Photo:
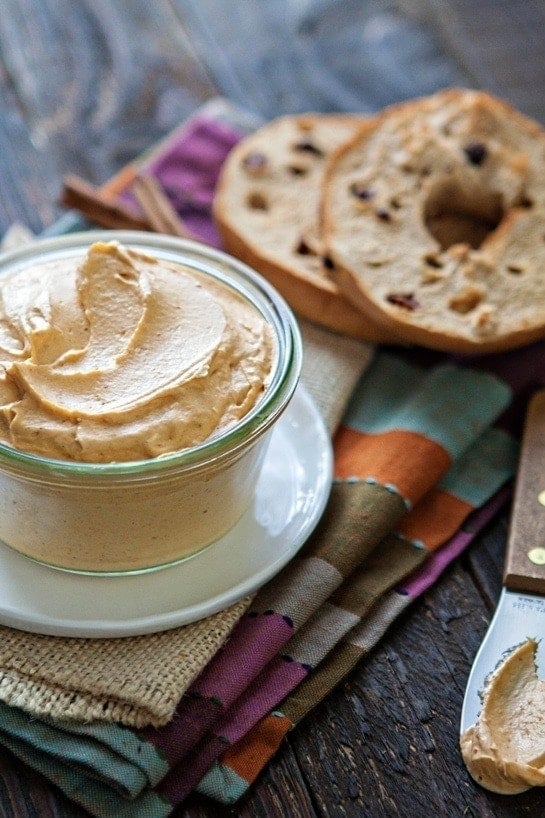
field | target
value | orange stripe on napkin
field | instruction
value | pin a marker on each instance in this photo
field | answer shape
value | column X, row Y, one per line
column 436, row 517
column 246, row 757
column 391, row 458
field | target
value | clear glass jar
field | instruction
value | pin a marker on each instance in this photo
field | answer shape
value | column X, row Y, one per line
column 140, row 515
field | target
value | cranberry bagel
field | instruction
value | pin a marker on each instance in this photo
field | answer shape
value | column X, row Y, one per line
column 266, row 210
column 433, row 215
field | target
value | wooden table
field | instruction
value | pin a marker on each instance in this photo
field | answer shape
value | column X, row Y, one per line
column 87, row 85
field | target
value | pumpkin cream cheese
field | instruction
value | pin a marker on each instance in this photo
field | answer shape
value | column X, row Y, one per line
column 121, row 357
column 505, row 750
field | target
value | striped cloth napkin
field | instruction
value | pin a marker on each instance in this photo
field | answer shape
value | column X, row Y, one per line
column 248, row 738
column 421, row 461
column 416, row 453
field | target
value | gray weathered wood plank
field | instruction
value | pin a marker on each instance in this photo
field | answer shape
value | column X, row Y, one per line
column 498, row 44
column 282, row 57
column 86, row 87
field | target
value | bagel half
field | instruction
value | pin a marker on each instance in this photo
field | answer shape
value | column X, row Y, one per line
column 266, row 210
column 433, row 214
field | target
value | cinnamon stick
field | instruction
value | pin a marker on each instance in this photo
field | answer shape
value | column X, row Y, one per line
column 100, row 207
column 158, row 208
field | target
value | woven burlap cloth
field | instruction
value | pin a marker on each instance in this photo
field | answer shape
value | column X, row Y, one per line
column 139, row 680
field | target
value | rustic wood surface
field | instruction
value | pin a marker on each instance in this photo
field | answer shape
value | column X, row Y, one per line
column 87, row 85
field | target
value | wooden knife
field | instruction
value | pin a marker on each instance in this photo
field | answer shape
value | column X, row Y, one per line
column 520, row 613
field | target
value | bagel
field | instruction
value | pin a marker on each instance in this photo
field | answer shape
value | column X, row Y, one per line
column 266, row 211
column 433, row 215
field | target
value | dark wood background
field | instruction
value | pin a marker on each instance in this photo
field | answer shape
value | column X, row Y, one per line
column 86, row 86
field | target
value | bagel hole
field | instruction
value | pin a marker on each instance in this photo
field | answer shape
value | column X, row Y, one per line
column 456, row 215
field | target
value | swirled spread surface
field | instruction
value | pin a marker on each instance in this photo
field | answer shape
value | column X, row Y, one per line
column 119, row 356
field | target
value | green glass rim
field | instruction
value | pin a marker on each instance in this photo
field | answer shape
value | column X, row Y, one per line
column 223, row 268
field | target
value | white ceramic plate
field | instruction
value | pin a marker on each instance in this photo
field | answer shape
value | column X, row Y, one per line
column 291, row 494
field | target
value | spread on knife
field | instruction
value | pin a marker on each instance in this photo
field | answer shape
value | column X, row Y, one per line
column 122, row 357
column 505, row 750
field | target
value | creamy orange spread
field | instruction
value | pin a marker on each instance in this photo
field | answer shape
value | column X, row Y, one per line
column 505, row 750
column 120, row 356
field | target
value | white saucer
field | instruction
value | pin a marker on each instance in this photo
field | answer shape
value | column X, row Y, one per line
column 290, row 497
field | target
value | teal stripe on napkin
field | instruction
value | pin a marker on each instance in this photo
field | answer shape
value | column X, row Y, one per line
column 90, row 794
column 446, row 404
column 108, row 752
column 488, row 463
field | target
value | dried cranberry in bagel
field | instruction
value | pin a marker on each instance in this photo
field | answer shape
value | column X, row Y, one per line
column 308, row 147
column 405, row 300
column 255, row 162
column 361, row 191
column 383, row 214
column 476, row 152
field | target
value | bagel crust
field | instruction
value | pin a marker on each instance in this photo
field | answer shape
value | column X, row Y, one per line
column 434, row 217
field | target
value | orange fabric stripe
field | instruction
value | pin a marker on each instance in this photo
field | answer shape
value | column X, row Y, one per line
column 246, row 757
column 394, row 457
column 435, row 518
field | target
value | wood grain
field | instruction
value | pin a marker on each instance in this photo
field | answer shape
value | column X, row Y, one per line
column 286, row 57
column 496, row 45
column 101, row 83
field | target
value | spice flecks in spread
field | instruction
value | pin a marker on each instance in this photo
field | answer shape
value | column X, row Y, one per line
column 505, row 750
column 124, row 357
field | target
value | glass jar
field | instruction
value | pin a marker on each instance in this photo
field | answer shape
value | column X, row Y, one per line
column 139, row 515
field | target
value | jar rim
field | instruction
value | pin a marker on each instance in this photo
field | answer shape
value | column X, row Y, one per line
column 223, row 268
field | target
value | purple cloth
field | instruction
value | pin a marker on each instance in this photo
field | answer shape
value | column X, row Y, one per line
column 187, row 165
